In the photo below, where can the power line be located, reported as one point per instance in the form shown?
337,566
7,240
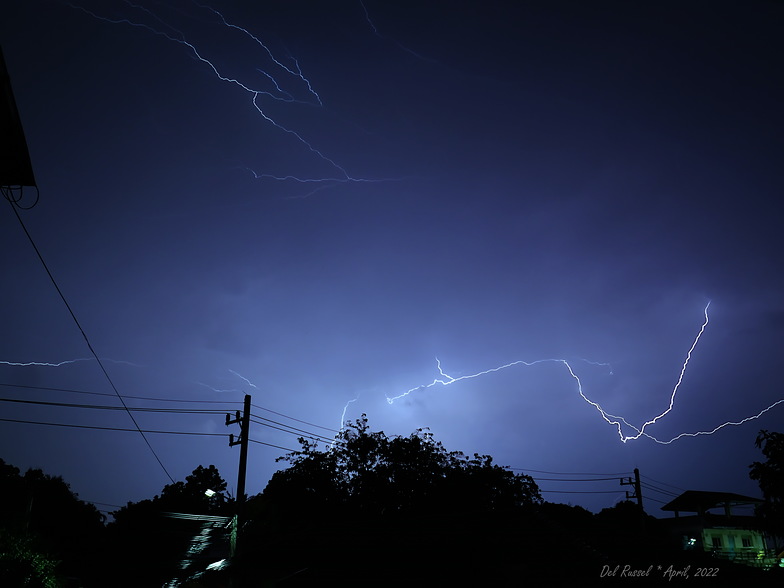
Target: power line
101,503
289,429
271,445
152,398
571,473
664,483
106,407
582,491
87,340
659,490
572,479
655,500
295,419
71,425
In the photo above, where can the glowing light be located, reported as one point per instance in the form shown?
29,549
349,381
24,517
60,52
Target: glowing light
616,421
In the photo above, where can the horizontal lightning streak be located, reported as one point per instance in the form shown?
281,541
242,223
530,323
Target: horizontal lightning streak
721,426
64,362
611,419
219,390
44,363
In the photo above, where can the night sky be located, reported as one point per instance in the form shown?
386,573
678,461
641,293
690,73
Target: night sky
315,202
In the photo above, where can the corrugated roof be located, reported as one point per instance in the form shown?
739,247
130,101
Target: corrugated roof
699,501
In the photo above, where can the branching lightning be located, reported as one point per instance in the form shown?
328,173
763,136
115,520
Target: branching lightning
251,384
616,421
256,94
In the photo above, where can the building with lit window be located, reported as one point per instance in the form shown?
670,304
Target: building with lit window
711,526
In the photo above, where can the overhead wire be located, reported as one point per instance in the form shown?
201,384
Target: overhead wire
581,491
289,429
14,206
8,194
570,473
655,500
294,419
659,490
573,479
75,426
106,407
152,398
606,476
662,483
271,445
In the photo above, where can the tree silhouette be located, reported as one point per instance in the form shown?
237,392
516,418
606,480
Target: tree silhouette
147,545
400,509
770,476
44,527
369,472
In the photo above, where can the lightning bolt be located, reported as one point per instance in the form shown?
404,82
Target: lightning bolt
297,74
641,430
616,421
345,408
219,390
324,183
44,363
256,94
64,362
244,378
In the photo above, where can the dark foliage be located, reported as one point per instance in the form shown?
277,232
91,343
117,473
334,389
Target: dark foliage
369,472
46,528
770,476
375,510
147,545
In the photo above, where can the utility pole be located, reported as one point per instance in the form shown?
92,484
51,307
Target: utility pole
242,440
637,489
638,495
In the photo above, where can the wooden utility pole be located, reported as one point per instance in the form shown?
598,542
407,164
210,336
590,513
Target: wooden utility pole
638,495
637,488
242,440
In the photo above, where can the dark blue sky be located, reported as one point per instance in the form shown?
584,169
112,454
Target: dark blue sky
484,184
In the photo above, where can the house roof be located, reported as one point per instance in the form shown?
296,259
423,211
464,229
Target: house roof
700,501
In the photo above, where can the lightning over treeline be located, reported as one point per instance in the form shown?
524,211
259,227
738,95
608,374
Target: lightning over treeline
626,430
616,421
273,79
